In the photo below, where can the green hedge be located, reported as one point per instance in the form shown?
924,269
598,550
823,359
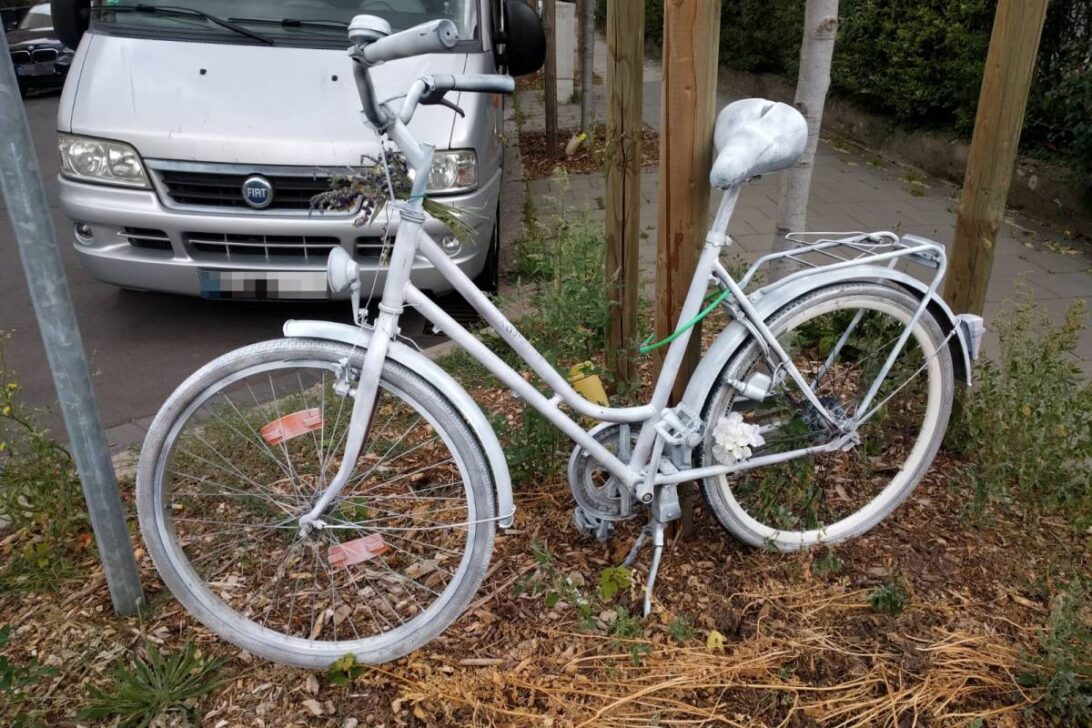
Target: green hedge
921,62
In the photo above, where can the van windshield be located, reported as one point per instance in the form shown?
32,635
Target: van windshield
292,19
37,19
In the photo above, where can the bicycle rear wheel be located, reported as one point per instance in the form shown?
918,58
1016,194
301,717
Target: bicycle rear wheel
243,449
839,339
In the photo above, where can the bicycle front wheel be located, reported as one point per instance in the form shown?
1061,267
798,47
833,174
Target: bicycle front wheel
839,338
244,448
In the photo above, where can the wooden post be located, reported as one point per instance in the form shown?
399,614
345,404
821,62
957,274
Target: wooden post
1014,45
549,12
625,95
688,110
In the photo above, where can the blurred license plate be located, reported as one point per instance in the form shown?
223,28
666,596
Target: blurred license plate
219,284
36,69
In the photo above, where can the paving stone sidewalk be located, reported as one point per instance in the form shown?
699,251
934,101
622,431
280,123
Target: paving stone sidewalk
851,190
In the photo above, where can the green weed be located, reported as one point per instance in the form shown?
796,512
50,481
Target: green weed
629,627
1026,428
890,597
1063,666
345,670
828,563
40,498
612,580
156,685
566,321
681,629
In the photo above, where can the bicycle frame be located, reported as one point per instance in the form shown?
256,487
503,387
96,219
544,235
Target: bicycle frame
636,474
642,473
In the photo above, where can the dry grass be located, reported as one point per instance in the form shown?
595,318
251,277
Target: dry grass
937,677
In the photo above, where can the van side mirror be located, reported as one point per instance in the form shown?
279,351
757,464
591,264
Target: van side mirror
523,42
70,20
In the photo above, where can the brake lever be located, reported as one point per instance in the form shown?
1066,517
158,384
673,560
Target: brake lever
436,96
453,106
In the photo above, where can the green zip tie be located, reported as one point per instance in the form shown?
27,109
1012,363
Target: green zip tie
719,298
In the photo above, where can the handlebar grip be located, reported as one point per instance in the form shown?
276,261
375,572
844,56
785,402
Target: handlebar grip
475,82
435,36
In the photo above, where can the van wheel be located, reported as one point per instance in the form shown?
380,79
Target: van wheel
489,279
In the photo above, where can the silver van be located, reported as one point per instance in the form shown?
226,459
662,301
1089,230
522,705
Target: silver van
193,134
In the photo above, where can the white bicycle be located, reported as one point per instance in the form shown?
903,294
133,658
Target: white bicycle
335,491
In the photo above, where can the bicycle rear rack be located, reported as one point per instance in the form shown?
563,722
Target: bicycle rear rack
832,251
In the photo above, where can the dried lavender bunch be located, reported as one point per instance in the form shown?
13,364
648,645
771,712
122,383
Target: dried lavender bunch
368,187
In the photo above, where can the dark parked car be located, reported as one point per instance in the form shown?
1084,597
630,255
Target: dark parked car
41,60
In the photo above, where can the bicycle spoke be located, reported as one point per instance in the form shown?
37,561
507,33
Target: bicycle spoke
389,549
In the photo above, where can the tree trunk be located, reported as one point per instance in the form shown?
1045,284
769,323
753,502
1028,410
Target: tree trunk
816,52
549,13
586,24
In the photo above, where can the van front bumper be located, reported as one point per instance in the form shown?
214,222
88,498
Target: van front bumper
128,238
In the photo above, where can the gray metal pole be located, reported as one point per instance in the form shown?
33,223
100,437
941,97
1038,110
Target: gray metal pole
28,208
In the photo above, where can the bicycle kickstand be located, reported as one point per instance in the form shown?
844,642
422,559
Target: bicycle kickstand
665,508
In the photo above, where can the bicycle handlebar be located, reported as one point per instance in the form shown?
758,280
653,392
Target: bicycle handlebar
474,82
435,36
373,43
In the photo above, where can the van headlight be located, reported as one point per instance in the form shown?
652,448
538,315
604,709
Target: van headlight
453,171
99,160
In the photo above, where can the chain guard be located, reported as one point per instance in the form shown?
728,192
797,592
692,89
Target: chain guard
599,493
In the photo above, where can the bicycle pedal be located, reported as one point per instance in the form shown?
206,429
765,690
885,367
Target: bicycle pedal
590,526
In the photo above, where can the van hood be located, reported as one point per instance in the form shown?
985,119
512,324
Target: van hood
19,38
242,104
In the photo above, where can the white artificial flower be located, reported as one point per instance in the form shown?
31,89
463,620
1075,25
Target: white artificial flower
733,439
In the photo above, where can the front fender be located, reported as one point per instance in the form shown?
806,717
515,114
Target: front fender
442,381
772,298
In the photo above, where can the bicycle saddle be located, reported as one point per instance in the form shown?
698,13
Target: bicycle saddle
753,137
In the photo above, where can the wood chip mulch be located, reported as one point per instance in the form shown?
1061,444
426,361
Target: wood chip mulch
537,163
802,645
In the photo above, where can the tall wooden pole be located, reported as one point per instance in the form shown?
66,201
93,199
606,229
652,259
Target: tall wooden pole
1014,45
549,12
689,98
625,92
688,110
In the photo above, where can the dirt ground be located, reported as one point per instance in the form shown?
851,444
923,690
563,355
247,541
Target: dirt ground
802,644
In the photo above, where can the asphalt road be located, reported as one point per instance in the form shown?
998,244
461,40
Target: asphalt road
140,345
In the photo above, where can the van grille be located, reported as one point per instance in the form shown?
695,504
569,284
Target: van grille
232,246
248,247
147,238
210,189
371,249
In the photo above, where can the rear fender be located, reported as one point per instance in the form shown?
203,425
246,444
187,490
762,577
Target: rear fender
772,298
438,378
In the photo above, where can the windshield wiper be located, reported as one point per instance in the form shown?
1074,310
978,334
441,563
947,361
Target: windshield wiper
295,23
172,11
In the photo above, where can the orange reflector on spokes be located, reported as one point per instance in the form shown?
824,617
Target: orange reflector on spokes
357,550
293,425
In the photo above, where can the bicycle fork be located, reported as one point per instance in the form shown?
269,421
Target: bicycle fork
367,385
